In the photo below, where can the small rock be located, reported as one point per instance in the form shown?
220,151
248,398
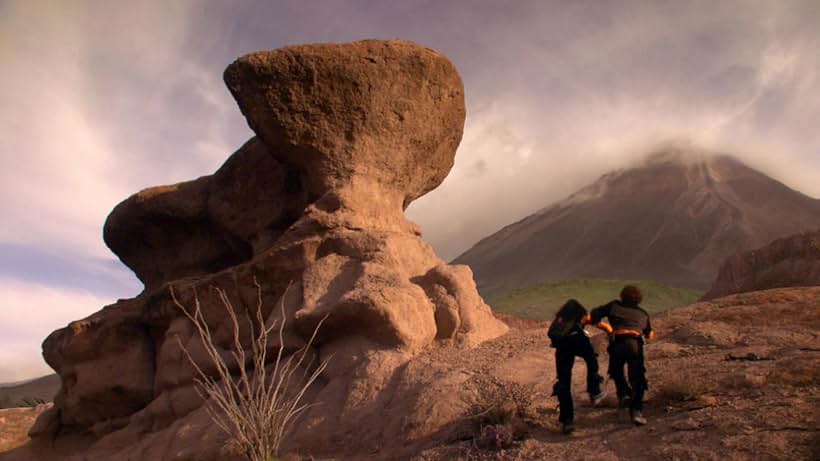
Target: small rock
687,425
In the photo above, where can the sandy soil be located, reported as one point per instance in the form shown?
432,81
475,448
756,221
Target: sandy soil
15,423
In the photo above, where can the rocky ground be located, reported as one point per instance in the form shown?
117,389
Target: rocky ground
734,378
15,423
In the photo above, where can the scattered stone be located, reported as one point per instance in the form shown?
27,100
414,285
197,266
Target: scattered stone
688,424
750,357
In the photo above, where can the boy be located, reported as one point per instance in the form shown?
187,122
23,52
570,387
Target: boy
629,326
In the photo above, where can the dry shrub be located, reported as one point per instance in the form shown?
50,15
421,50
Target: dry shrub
256,407
496,436
499,414
682,390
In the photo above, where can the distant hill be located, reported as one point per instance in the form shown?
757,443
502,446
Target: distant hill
44,388
673,219
541,301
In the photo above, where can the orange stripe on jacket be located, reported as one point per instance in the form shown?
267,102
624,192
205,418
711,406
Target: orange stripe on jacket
633,333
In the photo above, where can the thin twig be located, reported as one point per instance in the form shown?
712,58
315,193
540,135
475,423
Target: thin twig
255,407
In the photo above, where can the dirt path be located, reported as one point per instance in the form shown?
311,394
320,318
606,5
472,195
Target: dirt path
737,380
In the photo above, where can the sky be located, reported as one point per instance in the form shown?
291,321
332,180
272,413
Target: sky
100,99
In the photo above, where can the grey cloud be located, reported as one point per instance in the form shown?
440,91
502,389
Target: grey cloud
478,168
106,277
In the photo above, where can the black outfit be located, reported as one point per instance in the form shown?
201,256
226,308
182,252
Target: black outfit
631,325
575,345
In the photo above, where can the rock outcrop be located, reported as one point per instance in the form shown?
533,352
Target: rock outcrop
788,262
313,210
209,224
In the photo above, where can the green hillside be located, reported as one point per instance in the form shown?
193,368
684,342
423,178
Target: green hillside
541,301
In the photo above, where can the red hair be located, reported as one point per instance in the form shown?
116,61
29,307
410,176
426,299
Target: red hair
631,295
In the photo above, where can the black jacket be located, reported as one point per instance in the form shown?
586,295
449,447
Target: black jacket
623,317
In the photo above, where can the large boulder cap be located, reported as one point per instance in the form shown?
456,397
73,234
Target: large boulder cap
390,111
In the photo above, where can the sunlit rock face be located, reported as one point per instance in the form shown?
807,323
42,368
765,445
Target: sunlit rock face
311,208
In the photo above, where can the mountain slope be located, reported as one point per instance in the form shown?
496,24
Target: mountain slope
673,219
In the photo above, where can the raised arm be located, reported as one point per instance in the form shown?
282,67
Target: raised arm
596,315
600,312
648,332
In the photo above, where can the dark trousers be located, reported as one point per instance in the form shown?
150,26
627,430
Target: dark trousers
565,353
628,351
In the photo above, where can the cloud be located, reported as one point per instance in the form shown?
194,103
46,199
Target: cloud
556,96
28,314
92,113
102,276
590,87
96,102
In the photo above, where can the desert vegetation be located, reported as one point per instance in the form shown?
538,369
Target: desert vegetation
500,413
255,395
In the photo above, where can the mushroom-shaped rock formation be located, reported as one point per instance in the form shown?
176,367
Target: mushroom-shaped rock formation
313,210
379,117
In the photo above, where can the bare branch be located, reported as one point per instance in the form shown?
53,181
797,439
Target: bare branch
253,405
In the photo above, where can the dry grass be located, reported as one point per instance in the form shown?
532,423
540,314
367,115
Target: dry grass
250,403
499,414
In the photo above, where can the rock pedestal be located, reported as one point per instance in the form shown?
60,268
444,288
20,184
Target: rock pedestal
313,209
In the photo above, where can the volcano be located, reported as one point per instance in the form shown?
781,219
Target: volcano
674,219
